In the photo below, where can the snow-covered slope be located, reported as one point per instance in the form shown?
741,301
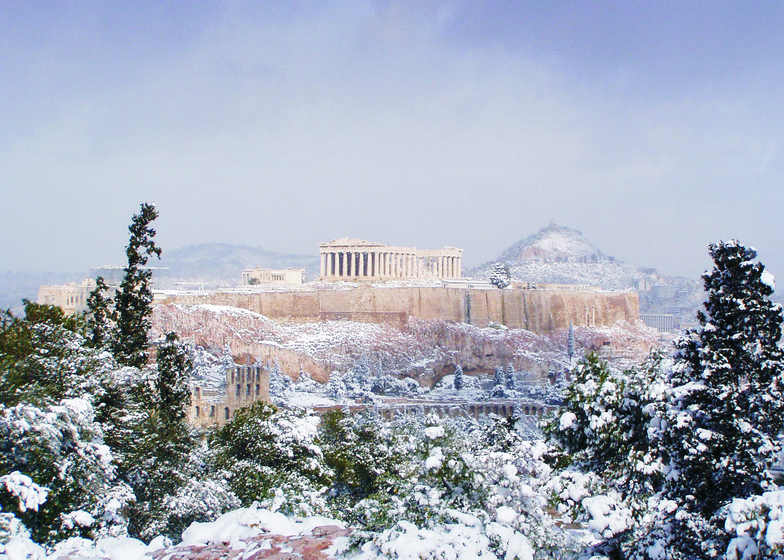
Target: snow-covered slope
558,254
553,243
423,350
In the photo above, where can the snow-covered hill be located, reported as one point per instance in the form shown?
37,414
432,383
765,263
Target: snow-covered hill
556,243
558,254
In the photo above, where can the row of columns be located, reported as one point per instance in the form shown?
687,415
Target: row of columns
388,264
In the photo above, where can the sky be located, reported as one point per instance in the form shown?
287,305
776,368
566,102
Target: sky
654,128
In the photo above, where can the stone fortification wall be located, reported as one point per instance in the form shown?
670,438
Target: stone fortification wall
540,311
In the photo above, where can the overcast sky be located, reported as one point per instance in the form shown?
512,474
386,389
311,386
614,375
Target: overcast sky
652,127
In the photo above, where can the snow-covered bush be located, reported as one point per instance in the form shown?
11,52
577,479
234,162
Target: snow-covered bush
500,277
756,526
359,450
608,420
60,472
269,455
44,358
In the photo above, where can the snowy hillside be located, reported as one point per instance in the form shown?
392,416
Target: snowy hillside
554,243
423,350
562,255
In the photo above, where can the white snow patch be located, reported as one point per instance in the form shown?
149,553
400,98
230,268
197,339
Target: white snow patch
434,432
22,486
567,420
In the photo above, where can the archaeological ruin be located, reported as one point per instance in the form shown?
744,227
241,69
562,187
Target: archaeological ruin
356,259
266,276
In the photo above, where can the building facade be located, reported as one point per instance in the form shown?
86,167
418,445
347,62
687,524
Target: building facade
358,260
260,276
245,385
71,297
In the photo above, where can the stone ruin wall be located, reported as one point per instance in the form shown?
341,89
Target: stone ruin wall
539,311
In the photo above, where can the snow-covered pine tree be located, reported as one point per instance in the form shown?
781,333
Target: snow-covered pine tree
99,313
459,382
570,342
162,466
499,383
174,394
500,276
134,296
510,377
729,407
498,378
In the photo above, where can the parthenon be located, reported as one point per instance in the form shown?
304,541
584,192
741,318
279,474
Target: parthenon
356,259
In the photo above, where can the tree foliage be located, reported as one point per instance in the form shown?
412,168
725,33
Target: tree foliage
99,314
134,296
270,455
728,407
42,357
500,277
459,381
690,444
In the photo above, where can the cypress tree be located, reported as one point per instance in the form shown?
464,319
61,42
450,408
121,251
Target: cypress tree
498,378
134,296
510,377
100,313
459,381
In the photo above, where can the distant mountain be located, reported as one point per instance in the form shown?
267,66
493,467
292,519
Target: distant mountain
558,254
554,243
561,255
221,264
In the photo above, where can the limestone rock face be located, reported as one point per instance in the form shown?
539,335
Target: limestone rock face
540,311
423,349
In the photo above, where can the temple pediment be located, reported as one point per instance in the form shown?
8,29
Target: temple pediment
351,242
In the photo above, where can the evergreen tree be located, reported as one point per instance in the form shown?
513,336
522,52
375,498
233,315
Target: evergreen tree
499,383
510,377
498,378
724,427
174,394
42,357
265,453
159,461
570,342
459,382
100,312
134,296
606,425
500,276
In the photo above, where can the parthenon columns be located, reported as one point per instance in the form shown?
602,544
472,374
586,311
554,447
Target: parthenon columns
354,259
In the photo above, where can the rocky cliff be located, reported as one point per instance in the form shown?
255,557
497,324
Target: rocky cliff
539,311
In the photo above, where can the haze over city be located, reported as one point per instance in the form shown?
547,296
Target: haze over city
654,128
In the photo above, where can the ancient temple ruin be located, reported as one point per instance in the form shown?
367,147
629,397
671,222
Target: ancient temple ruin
356,259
